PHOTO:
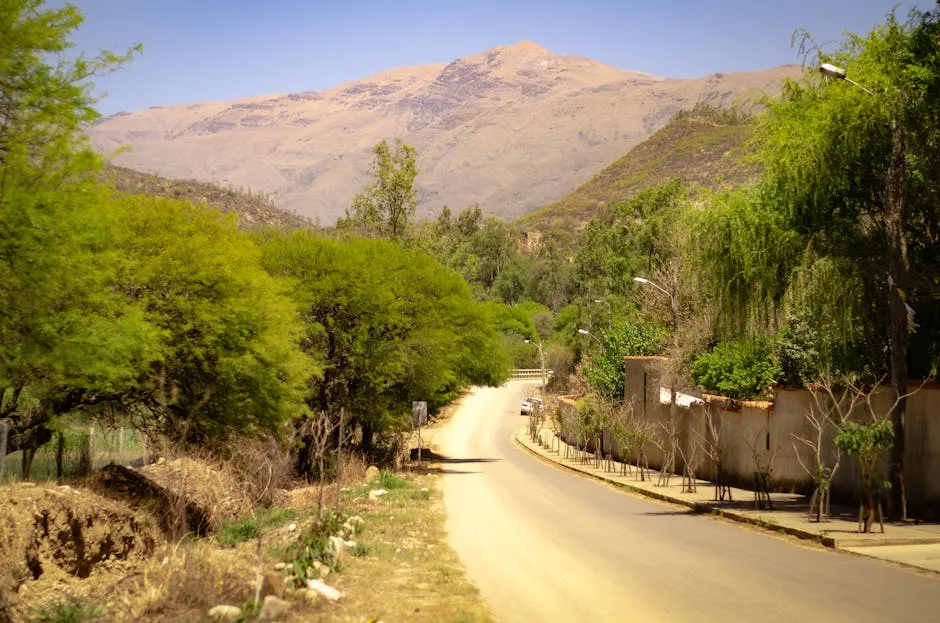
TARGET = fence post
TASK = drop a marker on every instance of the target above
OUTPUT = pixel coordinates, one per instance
(59, 451)
(91, 449)
(3, 446)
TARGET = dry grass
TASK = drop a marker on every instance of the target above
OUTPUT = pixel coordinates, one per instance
(182, 582)
(409, 569)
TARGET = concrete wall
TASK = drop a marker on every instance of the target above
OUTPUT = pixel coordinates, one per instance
(774, 428)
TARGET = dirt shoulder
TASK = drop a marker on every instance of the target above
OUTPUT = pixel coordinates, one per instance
(70, 553)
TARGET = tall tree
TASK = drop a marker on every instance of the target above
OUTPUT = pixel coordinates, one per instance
(387, 206)
(392, 326)
(848, 211)
(229, 358)
(61, 327)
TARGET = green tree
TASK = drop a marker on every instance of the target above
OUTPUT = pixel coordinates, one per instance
(229, 359)
(61, 328)
(392, 326)
(605, 370)
(387, 206)
(843, 230)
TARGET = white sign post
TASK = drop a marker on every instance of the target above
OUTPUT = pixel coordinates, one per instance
(419, 416)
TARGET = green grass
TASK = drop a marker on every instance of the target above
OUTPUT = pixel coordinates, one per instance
(388, 480)
(234, 532)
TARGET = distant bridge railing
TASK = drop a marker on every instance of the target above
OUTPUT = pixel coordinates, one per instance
(529, 373)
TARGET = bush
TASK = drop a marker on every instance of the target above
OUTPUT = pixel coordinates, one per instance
(742, 370)
(605, 371)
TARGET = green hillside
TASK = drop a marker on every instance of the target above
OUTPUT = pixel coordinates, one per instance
(702, 147)
(254, 209)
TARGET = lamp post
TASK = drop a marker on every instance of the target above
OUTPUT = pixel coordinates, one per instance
(591, 335)
(541, 359)
(610, 312)
(898, 266)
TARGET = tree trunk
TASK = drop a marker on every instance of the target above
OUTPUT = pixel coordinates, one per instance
(899, 332)
(368, 435)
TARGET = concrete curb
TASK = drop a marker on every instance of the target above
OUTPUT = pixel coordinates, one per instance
(695, 507)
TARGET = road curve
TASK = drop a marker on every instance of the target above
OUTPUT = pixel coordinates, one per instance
(543, 544)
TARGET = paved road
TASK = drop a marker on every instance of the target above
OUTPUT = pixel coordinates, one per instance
(546, 545)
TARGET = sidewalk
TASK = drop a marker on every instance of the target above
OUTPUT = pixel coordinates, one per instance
(912, 545)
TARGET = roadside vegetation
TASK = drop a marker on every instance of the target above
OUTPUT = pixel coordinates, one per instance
(253, 360)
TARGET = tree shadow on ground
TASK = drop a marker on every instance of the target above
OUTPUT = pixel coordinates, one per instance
(434, 463)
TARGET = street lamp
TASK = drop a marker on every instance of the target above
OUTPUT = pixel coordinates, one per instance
(675, 336)
(672, 301)
(610, 312)
(591, 335)
(541, 359)
(828, 69)
(899, 333)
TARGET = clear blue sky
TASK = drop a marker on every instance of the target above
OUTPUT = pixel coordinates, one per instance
(198, 50)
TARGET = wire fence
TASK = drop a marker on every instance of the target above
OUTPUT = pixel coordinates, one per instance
(74, 452)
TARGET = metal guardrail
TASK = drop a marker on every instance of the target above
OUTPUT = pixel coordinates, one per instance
(529, 373)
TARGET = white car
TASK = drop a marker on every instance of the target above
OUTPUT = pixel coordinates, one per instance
(530, 405)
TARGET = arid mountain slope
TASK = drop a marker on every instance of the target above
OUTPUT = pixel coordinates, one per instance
(702, 147)
(254, 209)
(511, 129)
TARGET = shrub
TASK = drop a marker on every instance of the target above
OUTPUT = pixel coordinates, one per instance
(742, 370)
(68, 612)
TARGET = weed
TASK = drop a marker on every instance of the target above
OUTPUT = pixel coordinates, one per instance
(234, 532)
(68, 612)
(313, 547)
(360, 550)
(388, 480)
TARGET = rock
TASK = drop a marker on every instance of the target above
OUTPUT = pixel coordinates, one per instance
(280, 566)
(377, 493)
(225, 613)
(323, 589)
(372, 472)
(292, 527)
(350, 544)
(273, 607)
(308, 595)
(338, 546)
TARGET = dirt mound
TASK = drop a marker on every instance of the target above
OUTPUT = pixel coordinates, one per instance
(50, 535)
(186, 494)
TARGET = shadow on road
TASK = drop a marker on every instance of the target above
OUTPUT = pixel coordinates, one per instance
(433, 457)
(434, 463)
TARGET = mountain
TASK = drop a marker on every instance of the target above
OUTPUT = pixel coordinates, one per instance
(704, 147)
(254, 209)
(510, 129)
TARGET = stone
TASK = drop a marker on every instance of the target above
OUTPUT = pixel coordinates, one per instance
(308, 595)
(377, 493)
(292, 527)
(323, 589)
(280, 566)
(273, 607)
(350, 544)
(372, 472)
(338, 546)
(224, 613)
